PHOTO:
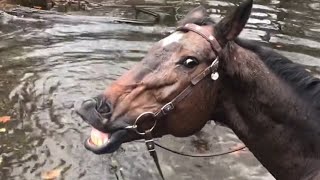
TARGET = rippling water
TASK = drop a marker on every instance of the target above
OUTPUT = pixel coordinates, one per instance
(50, 62)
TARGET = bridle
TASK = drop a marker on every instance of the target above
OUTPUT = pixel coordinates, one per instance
(170, 106)
(212, 69)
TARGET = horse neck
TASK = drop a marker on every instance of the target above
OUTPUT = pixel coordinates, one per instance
(269, 117)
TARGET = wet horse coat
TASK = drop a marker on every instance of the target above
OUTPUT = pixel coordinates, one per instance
(271, 103)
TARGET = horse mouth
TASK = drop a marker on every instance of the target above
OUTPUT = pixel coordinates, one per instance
(102, 143)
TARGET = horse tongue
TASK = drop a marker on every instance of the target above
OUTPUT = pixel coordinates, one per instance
(98, 138)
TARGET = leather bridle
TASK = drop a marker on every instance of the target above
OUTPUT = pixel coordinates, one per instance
(170, 106)
(212, 69)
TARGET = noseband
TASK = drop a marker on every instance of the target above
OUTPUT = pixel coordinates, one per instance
(170, 106)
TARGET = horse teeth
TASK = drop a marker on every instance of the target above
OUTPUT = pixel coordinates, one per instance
(94, 140)
(99, 142)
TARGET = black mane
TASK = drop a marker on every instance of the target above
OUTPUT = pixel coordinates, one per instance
(306, 85)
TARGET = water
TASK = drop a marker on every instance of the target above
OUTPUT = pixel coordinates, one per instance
(48, 63)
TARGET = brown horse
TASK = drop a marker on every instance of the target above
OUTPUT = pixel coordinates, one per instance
(271, 103)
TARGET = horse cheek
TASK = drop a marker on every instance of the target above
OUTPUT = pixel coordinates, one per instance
(185, 124)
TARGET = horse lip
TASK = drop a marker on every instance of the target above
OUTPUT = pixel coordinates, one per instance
(115, 141)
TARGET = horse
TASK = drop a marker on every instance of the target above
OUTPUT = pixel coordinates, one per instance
(203, 71)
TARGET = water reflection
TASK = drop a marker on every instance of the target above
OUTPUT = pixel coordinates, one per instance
(48, 63)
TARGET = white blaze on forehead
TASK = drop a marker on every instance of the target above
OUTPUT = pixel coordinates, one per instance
(174, 37)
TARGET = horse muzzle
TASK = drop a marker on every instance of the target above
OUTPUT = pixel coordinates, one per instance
(106, 136)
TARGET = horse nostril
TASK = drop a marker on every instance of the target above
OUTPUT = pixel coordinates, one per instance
(96, 111)
(104, 107)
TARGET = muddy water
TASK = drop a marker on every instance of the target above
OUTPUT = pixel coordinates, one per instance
(48, 63)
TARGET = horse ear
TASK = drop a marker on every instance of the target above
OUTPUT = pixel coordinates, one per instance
(196, 14)
(231, 26)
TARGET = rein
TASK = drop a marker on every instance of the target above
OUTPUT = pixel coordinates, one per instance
(170, 106)
(201, 155)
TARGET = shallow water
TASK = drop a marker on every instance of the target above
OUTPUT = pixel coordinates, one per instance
(48, 63)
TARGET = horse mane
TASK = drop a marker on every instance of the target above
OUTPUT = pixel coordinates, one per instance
(301, 80)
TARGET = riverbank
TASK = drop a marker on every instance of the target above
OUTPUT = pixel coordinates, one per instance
(40, 4)
(55, 5)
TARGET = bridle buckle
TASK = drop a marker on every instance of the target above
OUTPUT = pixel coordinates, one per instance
(167, 108)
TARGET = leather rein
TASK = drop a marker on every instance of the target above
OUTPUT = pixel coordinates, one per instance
(169, 107)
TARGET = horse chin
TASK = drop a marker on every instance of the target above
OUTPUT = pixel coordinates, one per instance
(103, 143)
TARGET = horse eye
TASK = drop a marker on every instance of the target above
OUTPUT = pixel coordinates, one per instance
(190, 62)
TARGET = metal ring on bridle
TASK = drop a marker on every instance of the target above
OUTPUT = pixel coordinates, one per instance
(139, 117)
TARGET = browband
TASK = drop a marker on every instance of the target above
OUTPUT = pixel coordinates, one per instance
(215, 46)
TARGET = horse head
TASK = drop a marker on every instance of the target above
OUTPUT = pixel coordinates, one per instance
(180, 68)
